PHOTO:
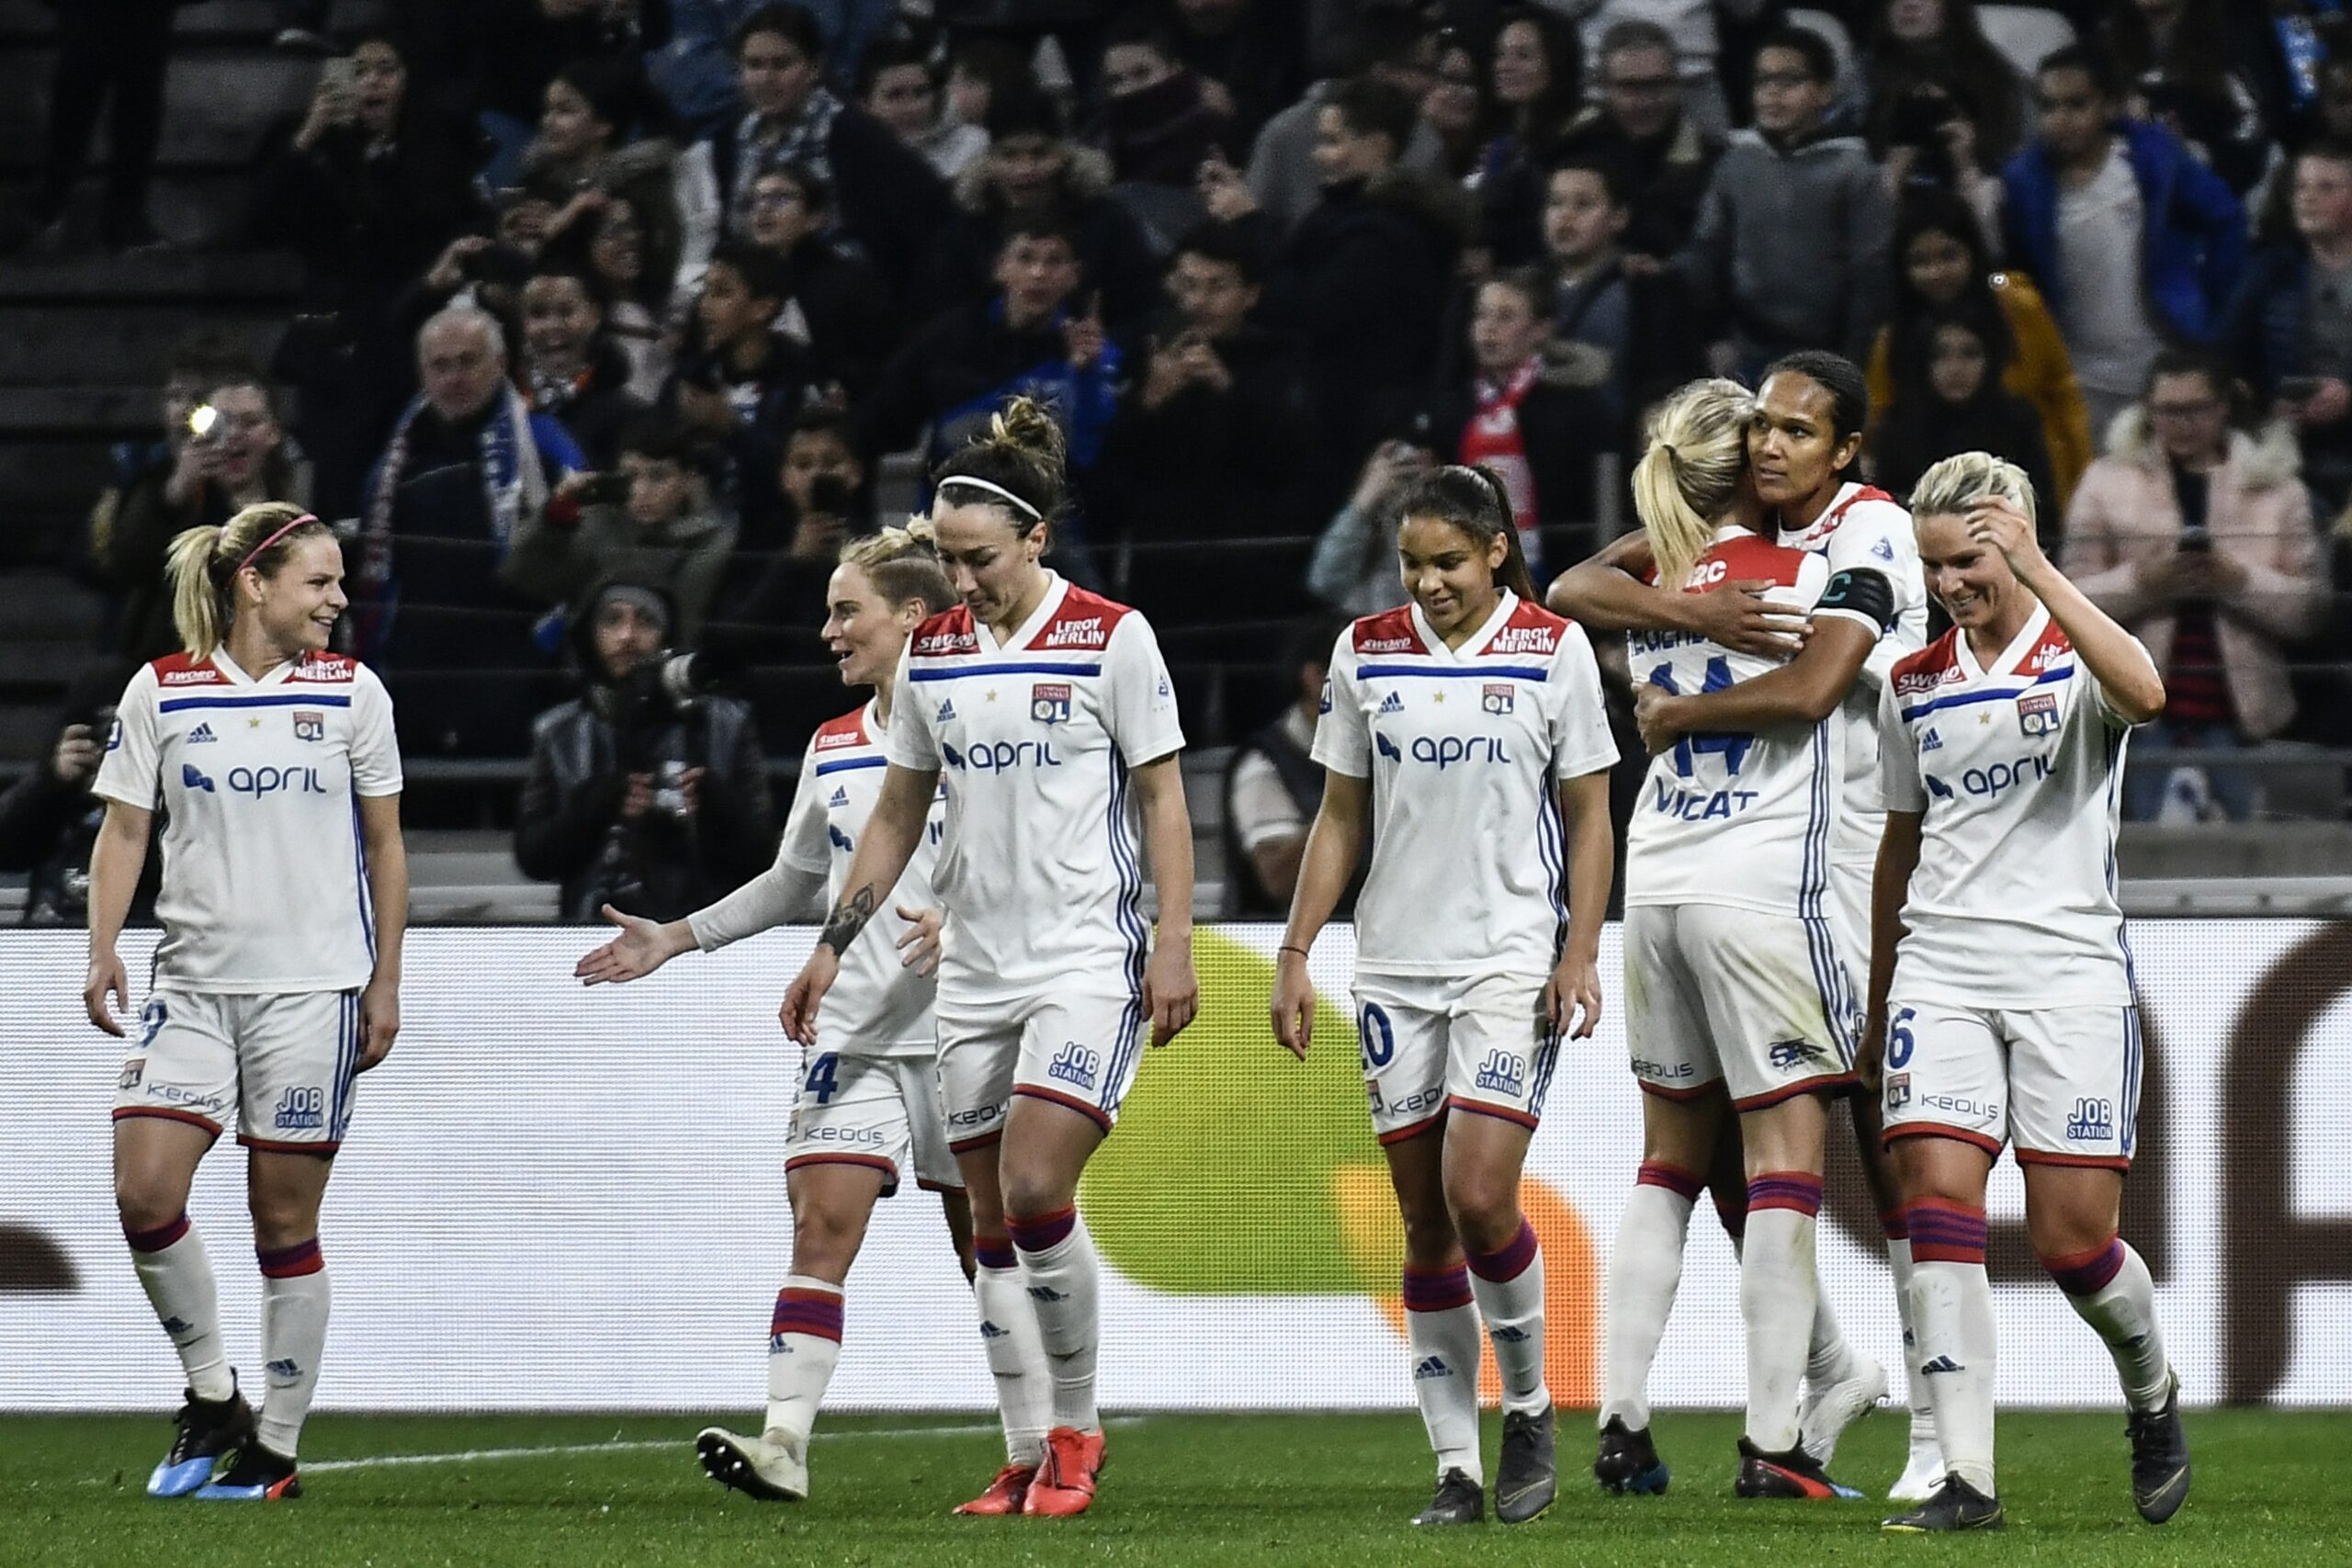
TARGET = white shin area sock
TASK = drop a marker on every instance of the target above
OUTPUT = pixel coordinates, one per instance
(293, 1338)
(178, 1276)
(1953, 1306)
(1063, 1276)
(1777, 1300)
(803, 1345)
(1442, 1324)
(1644, 1272)
(1509, 1287)
(2122, 1310)
(1024, 1390)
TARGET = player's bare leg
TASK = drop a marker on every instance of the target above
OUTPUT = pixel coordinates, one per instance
(155, 1164)
(1441, 1324)
(956, 1210)
(1043, 1152)
(1679, 1142)
(284, 1191)
(1951, 1303)
(831, 1206)
(2072, 1212)
(1481, 1166)
(1008, 1334)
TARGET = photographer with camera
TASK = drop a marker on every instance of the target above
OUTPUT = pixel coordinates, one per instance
(49, 818)
(649, 790)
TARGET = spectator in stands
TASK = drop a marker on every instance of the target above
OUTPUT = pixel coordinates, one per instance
(2134, 242)
(648, 519)
(2181, 57)
(2291, 323)
(1205, 448)
(1272, 786)
(1538, 90)
(1362, 280)
(889, 201)
(1940, 261)
(49, 818)
(1253, 53)
(1941, 42)
(828, 496)
(634, 263)
(466, 466)
(369, 186)
(1030, 170)
(1931, 150)
(1946, 365)
(836, 305)
(235, 456)
(1713, 40)
(517, 47)
(633, 798)
(897, 86)
(1155, 122)
(572, 369)
(1389, 42)
(197, 363)
(583, 143)
(1456, 110)
(739, 382)
(694, 70)
(1618, 335)
(1663, 155)
(1791, 248)
(1354, 567)
(111, 57)
(2198, 538)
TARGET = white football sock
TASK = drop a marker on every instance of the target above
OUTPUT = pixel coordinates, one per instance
(178, 1276)
(1952, 1304)
(1509, 1287)
(1441, 1324)
(1922, 1412)
(803, 1345)
(293, 1338)
(1777, 1300)
(2112, 1288)
(1025, 1393)
(1644, 1272)
(1063, 1276)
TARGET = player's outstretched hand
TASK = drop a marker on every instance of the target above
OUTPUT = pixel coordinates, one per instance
(1737, 615)
(1170, 991)
(799, 1014)
(379, 1021)
(919, 946)
(1572, 996)
(1294, 1004)
(641, 947)
(107, 978)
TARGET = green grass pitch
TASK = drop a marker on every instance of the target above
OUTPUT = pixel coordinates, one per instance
(1221, 1492)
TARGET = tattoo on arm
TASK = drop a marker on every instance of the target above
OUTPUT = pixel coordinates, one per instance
(848, 919)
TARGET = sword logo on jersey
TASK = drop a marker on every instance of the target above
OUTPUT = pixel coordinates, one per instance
(1503, 1073)
(2092, 1123)
(2038, 714)
(1497, 696)
(309, 726)
(1050, 703)
(1076, 1065)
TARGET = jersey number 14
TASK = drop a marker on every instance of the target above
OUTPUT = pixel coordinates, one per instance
(1733, 748)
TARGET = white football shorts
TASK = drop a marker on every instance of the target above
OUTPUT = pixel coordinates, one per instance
(282, 1065)
(884, 1112)
(2063, 1084)
(1761, 1004)
(1429, 1047)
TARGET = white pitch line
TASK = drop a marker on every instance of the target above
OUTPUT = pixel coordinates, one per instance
(638, 1446)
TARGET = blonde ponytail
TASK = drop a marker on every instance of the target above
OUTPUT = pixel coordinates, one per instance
(903, 565)
(203, 561)
(1687, 478)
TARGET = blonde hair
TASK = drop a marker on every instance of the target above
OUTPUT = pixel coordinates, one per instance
(1688, 476)
(203, 564)
(1959, 481)
(903, 565)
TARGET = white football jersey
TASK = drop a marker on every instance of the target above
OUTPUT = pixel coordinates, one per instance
(1039, 869)
(1464, 750)
(1865, 529)
(265, 885)
(2017, 771)
(1739, 820)
(878, 1007)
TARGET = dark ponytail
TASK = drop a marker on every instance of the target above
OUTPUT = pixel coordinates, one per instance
(1473, 499)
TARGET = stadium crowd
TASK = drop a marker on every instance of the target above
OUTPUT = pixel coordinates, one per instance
(616, 312)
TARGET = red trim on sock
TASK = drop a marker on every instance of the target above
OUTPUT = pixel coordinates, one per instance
(1510, 1260)
(1684, 1184)
(1436, 1290)
(1893, 1225)
(291, 1263)
(1796, 1190)
(1040, 1232)
(160, 1237)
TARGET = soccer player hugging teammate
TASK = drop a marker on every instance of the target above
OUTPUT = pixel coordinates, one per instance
(868, 1104)
(1463, 729)
(1048, 712)
(2000, 987)
(276, 766)
(1804, 435)
(1736, 987)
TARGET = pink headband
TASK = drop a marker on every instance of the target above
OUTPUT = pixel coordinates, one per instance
(249, 560)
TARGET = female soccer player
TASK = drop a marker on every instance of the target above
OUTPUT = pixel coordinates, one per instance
(1048, 713)
(2000, 981)
(870, 1104)
(1463, 728)
(285, 894)
(1735, 985)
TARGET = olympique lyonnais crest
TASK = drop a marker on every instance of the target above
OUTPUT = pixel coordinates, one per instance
(1050, 703)
(2038, 713)
(309, 726)
(1499, 696)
